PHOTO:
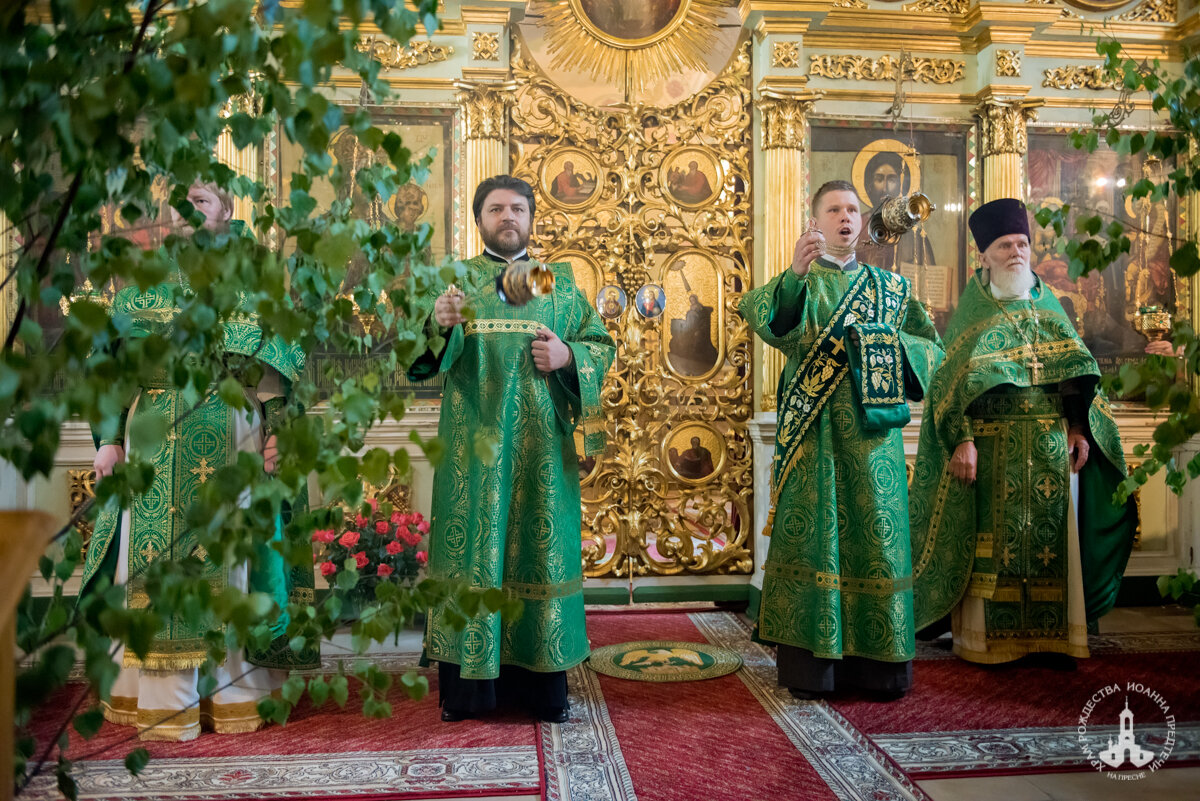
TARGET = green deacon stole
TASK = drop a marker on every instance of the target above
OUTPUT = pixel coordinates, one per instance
(826, 364)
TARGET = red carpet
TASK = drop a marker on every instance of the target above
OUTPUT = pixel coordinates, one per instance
(697, 740)
(412, 755)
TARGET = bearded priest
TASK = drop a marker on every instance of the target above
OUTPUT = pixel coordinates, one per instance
(1014, 528)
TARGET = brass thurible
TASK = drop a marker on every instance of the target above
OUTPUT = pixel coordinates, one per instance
(896, 216)
(1154, 322)
(522, 281)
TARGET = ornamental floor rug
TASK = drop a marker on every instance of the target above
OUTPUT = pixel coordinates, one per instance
(966, 719)
(732, 737)
(320, 755)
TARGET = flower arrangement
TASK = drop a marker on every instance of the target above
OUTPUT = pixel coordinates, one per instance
(383, 547)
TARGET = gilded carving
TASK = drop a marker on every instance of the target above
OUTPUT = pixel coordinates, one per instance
(938, 6)
(1077, 77)
(392, 56)
(81, 488)
(1003, 126)
(1008, 64)
(485, 46)
(884, 68)
(849, 4)
(785, 119)
(785, 55)
(1151, 11)
(668, 204)
(485, 109)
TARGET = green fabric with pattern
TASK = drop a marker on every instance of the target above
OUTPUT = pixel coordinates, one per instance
(984, 384)
(514, 523)
(837, 576)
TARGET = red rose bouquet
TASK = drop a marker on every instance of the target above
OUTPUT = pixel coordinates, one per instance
(380, 547)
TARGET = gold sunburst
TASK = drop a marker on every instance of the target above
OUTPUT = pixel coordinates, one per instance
(634, 54)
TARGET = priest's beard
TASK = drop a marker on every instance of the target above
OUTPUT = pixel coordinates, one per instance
(1011, 282)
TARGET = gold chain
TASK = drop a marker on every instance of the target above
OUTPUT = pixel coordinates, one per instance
(1034, 364)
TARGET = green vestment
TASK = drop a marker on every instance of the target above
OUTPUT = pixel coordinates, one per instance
(515, 523)
(202, 442)
(837, 578)
(1005, 538)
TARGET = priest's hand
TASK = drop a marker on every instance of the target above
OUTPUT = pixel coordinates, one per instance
(549, 352)
(962, 463)
(108, 457)
(808, 247)
(1077, 445)
(270, 454)
(1163, 348)
(447, 309)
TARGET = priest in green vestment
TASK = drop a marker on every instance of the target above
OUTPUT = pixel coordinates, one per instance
(159, 693)
(1015, 533)
(521, 379)
(837, 589)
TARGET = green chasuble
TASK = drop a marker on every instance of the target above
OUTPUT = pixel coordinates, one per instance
(837, 577)
(1005, 538)
(203, 442)
(515, 523)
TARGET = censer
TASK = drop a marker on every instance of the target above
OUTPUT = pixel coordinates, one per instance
(896, 216)
(522, 281)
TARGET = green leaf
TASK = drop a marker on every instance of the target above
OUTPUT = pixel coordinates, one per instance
(136, 760)
(339, 690)
(147, 429)
(88, 723)
(318, 690)
(293, 689)
(1185, 261)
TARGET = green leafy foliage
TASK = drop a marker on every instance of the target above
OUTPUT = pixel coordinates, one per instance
(105, 103)
(1168, 384)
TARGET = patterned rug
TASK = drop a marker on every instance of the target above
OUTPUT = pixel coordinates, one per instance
(663, 660)
(320, 755)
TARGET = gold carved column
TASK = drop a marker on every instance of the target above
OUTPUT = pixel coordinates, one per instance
(1003, 145)
(485, 120)
(785, 202)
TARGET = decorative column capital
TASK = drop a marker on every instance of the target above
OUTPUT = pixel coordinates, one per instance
(785, 114)
(485, 108)
(1003, 124)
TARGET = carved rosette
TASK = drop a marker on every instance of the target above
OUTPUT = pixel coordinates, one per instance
(391, 55)
(485, 109)
(1003, 126)
(1008, 64)
(785, 55)
(785, 119)
(864, 68)
(485, 46)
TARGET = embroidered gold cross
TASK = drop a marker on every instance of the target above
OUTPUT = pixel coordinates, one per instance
(587, 370)
(203, 471)
(1046, 486)
(1026, 404)
(1034, 367)
(1006, 556)
(1047, 556)
(838, 345)
(148, 553)
(154, 393)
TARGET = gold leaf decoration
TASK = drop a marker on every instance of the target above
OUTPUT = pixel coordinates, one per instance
(576, 43)
(938, 6)
(485, 46)
(1151, 11)
(1008, 63)
(785, 55)
(1076, 77)
(865, 68)
(394, 57)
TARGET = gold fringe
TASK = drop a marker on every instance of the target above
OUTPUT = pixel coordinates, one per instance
(166, 662)
(1013, 650)
(1046, 594)
(121, 710)
(770, 522)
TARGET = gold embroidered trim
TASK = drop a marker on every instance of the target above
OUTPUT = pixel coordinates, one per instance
(168, 724)
(121, 710)
(500, 327)
(543, 592)
(984, 543)
(834, 581)
(183, 660)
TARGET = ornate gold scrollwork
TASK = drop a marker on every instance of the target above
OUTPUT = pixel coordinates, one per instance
(850, 4)
(784, 119)
(1151, 11)
(663, 199)
(1003, 125)
(865, 68)
(485, 46)
(1008, 63)
(938, 6)
(81, 487)
(785, 55)
(1077, 77)
(392, 56)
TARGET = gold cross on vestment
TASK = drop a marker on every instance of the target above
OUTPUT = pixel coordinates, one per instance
(587, 370)
(154, 393)
(1047, 556)
(1006, 556)
(1046, 486)
(148, 553)
(1035, 366)
(203, 471)
(838, 345)
(1026, 404)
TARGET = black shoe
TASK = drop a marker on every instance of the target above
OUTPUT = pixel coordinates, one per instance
(453, 715)
(561, 715)
(1052, 661)
(804, 695)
